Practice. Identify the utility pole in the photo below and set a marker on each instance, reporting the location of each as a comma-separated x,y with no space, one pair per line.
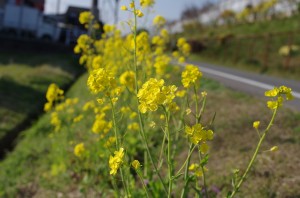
95,12
20,25
94,9
56,20
116,18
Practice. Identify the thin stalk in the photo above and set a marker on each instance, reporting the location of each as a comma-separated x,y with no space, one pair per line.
118,145
170,165
196,100
203,174
178,129
186,171
237,187
162,148
143,183
142,134
197,121
187,159
141,131
115,124
116,189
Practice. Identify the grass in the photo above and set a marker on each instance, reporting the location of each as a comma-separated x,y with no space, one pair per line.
24,79
260,27
46,170
252,46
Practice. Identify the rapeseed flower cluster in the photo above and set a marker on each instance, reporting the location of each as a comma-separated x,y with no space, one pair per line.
136,164
101,80
199,135
153,93
146,3
53,94
183,50
101,125
128,79
278,94
197,169
85,17
79,150
159,21
116,161
190,75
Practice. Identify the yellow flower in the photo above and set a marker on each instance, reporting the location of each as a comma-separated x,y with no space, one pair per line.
55,121
203,93
274,148
133,126
190,75
47,106
85,17
131,5
79,150
204,148
53,94
100,80
278,92
116,161
124,8
162,117
78,118
128,79
256,124
110,142
153,93
152,124
188,111
146,3
139,13
136,164
197,134
181,93
159,21
101,125
196,168
133,115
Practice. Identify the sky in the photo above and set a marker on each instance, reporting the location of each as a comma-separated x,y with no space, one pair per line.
170,9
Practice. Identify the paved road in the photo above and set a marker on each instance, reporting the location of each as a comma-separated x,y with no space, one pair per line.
255,84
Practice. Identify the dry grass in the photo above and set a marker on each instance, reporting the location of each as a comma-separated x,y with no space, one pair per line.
275,174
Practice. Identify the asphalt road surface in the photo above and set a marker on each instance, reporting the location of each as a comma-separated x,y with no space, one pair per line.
251,83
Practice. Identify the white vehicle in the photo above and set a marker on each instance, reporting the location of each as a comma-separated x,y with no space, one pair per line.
30,20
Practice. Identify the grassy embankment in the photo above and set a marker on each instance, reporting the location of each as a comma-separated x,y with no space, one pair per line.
24,79
251,46
44,167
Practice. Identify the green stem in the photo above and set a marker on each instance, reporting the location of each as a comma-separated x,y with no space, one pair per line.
170,164
162,149
237,187
203,174
196,101
186,171
198,115
115,124
118,145
141,131
116,189
143,183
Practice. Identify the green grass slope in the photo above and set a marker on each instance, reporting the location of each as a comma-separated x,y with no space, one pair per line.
43,163
24,79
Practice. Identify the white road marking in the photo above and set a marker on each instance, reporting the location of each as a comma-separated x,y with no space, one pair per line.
244,80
